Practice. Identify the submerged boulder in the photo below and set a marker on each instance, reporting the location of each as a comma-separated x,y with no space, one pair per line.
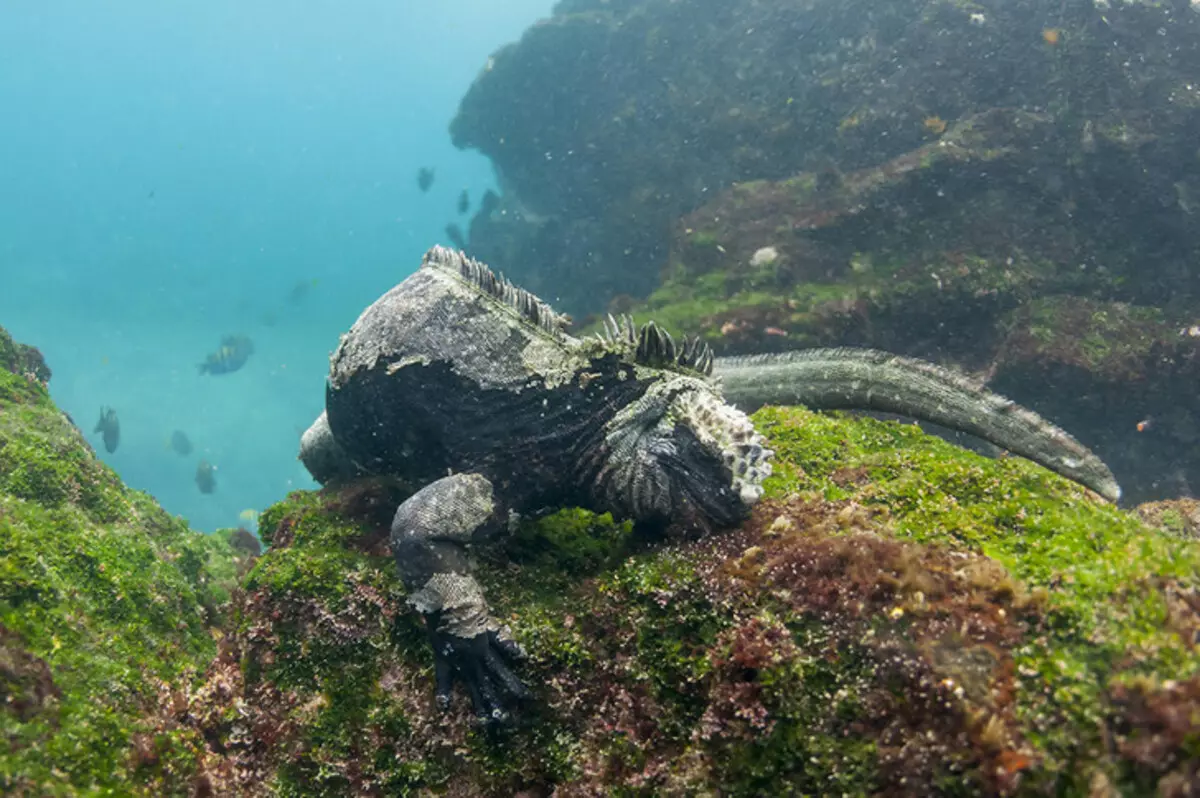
898,617
935,254
107,604
923,176
609,120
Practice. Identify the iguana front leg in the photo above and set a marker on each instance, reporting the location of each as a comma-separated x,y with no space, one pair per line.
428,537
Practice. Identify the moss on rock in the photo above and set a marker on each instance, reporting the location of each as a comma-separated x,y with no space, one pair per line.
899,616
104,598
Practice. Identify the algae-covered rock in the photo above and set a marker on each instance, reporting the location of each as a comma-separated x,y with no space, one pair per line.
899,617
609,120
104,598
936,253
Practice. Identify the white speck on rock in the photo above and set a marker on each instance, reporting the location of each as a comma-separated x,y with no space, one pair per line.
764,256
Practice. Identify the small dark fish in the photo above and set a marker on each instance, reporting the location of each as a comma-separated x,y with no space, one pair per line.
206,477
110,427
180,443
455,234
424,178
464,202
234,352
300,290
150,195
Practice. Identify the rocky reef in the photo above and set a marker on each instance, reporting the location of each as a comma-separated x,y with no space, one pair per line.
973,279
1008,187
608,121
900,616
104,600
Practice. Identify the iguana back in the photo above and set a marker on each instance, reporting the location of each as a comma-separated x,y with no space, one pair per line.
455,368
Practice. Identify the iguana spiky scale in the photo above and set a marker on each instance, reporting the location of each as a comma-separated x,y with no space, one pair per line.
460,381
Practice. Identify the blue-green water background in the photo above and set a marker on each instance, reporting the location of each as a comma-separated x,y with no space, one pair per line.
170,171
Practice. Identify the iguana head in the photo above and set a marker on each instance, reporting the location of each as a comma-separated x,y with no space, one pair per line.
681,454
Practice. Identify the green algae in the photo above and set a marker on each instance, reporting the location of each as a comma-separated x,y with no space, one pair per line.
1103,575
794,654
898,611
104,598
1114,341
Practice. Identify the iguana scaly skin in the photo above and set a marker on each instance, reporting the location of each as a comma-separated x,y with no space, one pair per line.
460,381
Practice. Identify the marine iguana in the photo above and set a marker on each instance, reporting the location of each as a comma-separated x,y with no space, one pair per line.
460,381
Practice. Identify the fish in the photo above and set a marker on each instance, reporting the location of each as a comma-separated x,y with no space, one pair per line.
110,427
206,477
464,202
300,290
235,350
424,178
455,234
180,443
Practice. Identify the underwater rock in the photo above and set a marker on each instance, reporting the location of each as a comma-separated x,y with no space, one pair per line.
899,616
676,102
107,603
1125,375
918,256
1180,517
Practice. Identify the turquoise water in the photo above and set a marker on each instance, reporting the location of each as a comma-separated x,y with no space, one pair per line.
171,173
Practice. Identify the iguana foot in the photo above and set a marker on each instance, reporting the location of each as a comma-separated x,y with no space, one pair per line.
480,662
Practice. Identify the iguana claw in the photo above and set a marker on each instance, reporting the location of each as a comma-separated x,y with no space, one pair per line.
480,662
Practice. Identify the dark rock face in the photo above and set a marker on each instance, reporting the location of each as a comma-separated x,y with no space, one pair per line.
1010,187
610,120
947,252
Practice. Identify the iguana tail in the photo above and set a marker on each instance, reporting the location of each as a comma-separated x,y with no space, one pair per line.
864,379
